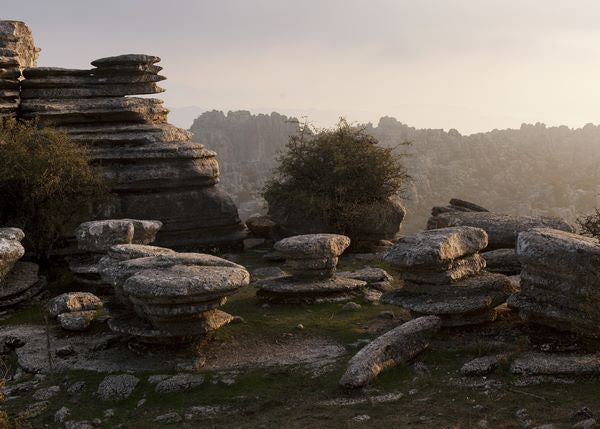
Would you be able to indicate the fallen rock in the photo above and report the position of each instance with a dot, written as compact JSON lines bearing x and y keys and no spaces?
{"x":482,"y":366}
{"x":556,"y":364}
{"x":117,"y":387}
{"x":172,"y":417}
{"x":398,"y":345}
{"x":46,"y":393}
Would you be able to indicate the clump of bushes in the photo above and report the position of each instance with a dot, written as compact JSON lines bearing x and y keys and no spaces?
{"x":590,"y":225}
{"x":46,"y":183}
{"x":334,"y":178}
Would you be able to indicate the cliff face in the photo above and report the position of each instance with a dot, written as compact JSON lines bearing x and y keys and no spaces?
{"x":534,"y":170}
{"x":247,"y":146}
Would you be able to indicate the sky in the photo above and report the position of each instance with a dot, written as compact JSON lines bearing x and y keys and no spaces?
{"x":473,"y":65}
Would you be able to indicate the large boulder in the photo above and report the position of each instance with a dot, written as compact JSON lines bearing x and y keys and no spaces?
{"x":502,"y":229}
{"x":397,"y":346}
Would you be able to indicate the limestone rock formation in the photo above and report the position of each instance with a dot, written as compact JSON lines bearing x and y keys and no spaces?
{"x":172,"y":297}
{"x":503,"y":261}
{"x":17,"y":51}
{"x":75,"y":311}
{"x":154,"y":169}
{"x":19,"y":281}
{"x":99,"y":238}
{"x":502,"y":229}
{"x":311,"y":262}
{"x":443,"y":276}
{"x":397,"y":346}
{"x":560,"y":281}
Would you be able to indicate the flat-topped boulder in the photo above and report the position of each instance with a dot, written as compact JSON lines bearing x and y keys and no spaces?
{"x":559,"y":281}
{"x":502,"y":229}
{"x":10,"y":233}
{"x":436,"y":247}
{"x":451,"y":271}
{"x":73,"y":302}
{"x":100,"y":236}
{"x":310,"y":246}
{"x":469,"y":301}
{"x":10,"y":252}
{"x":125,"y":59}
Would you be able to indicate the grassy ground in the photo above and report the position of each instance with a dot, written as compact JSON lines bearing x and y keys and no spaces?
{"x":288,"y":397}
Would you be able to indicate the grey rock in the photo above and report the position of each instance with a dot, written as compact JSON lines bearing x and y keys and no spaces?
{"x":81,"y":424}
{"x":311,"y":246}
{"x":351,"y":306}
{"x":76,"y":387}
{"x":398,"y":345}
{"x":482,"y":366}
{"x":261,"y":226}
{"x":585,"y":424}
{"x":502,"y":261}
{"x":10,"y":252}
{"x":13,"y":234}
{"x":368,"y":274}
{"x":61,"y":415}
{"x":74,"y":301}
{"x":77,"y":320}
{"x":179,"y":382}
{"x":435,"y":248}
{"x":172,"y":417}
{"x":456,"y":270}
{"x":117,"y":387}
{"x":46,"y":393}
{"x":556,"y":364}
{"x":125,"y":59}
{"x":502,"y":229}
{"x":21,"y":284}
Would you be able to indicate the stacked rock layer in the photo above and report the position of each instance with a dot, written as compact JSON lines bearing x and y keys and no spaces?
{"x":19,"y":281}
{"x":310,"y":261}
{"x":153,"y":167}
{"x":17,"y":51}
{"x":97,"y":238}
{"x":502,"y":230}
{"x":444,"y":276}
{"x":172,"y":298}
{"x":560,"y":281}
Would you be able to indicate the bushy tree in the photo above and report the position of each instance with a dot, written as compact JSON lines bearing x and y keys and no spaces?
{"x":46,"y":183}
{"x":335,"y":177}
{"x":590,"y":225}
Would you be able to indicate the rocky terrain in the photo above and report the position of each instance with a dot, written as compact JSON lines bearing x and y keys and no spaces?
{"x":534,"y":170}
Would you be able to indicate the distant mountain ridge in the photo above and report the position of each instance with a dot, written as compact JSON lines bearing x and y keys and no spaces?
{"x":531,"y":170}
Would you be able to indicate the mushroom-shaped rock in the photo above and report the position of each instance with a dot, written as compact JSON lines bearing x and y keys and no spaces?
{"x":125,"y":59}
{"x":401,"y":344}
{"x":10,"y":252}
{"x":14,"y":234}
{"x":436,"y":247}
{"x":311,"y":246}
{"x":100,"y":236}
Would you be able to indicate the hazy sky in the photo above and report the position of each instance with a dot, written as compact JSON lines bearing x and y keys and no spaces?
{"x":473,"y":65}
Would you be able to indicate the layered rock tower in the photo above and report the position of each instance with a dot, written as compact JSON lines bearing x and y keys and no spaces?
{"x":17,"y":51}
{"x":153,"y":167}
{"x":444,"y":276}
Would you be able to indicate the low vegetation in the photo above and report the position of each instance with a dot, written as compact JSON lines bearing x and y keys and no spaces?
{"x":46,"y":183}
{"x":335,"y":177}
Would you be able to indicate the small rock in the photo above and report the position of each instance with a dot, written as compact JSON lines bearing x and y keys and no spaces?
{"x":74,"y":301}
{"x":361,"y":418}
{"x":109,"y":413}
{"x":154,"y":379}
{"x":77,"y":320}
{"x":179,"y":382}
{"x":61,"y":415}
{"x":168,"y":418}
{"x":238,"y":319}
{"x":83,"y":424}
{"x":141,"y":402}
{"x":117,"y":387}
{"x":300,"y":326}
{"x":46,"y":393}
{"x":585,"y":424}
{"x":97,"y":421}
{"x":351,"y":306}
{"x":76,"y":387}
{"x":65,"y":351}
{"x":35,"y":410}
{"x":413,"y":392}
{"x":387,"y":314}
{"x":482,"y":366}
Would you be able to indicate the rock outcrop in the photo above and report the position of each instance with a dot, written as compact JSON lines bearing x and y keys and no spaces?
{"x":560,"y":281}
{"x":99,"y":241}
{"x":17,"y":51}
{"x":444,"y":276}
{"x":311,"y":262}
{"x":502,"y":229}
{"x":172,"y":298}
{"x":154,"y":169}
{"x":19,"y":281}
{"x":397,"y":346}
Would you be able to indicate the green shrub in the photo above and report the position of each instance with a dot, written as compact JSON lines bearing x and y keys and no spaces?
{"x":335,"y":177}
{"x":46,"y":183}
